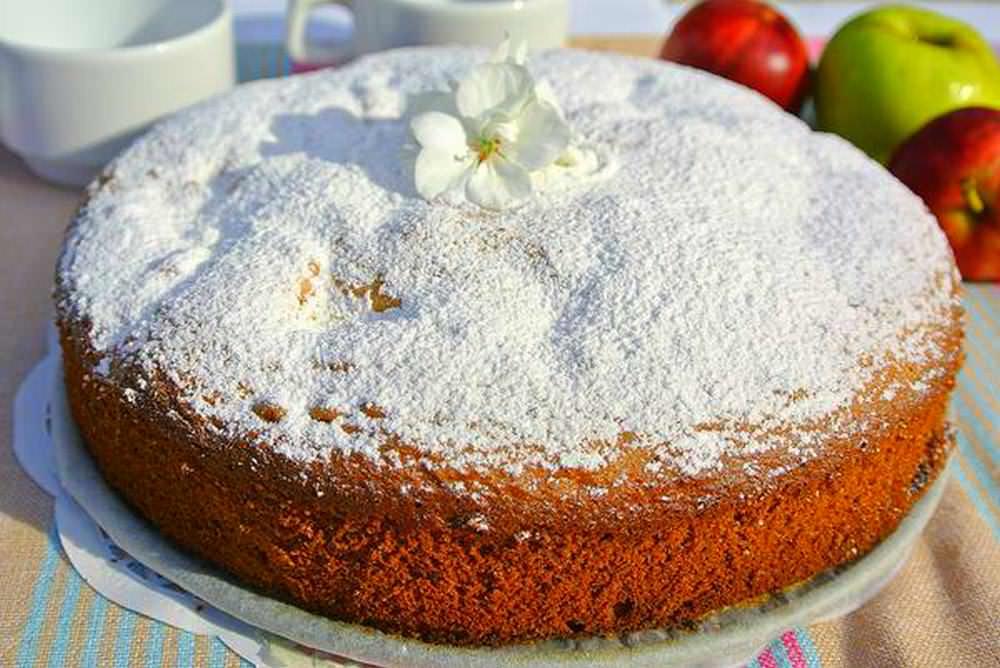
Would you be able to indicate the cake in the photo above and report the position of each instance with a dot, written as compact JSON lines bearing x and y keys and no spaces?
{"x":709,"y":366}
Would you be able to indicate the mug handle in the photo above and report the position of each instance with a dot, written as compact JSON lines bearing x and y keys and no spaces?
{"x":300,"y":50}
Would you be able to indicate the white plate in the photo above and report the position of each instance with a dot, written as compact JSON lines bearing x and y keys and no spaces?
{"x":729,"y":638}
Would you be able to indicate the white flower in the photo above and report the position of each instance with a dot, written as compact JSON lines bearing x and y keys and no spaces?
{"x":503,"y":53}
{"x":488,"y":137}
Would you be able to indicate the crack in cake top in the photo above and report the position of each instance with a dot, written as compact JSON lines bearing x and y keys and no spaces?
{"x":726,"y":272}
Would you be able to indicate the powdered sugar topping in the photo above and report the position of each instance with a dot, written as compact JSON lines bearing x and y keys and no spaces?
{"x":732,"y":270}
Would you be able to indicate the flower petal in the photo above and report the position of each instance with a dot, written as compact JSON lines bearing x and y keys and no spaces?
{"x":493,"y":88}
{"x":511,"y":51}
{"x":439,"y":131}
{"x":497,"y":183}
{"x":541,"y":138}
{"x":436,"y":171}
{"x":519,"y":52}
{"x":502,"y":51}
{"x":544,"y":93}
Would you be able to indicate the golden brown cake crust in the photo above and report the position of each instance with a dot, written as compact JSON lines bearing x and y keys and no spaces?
{"x":422,"y":569}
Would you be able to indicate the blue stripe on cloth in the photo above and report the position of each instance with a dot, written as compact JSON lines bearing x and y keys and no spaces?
{"x":185,"y":649}
{"x":123,"y":642}
{"x":67,"y":612}
{"x":983,"y":337}
{"x":95,"y":630}
{"x":974,"y":314}
{"x":284,"y":66}
{"x":217,"y":656}
{"x":219,"y":653}
{"x":809,"y":651}
{"x":28,"y":648}
{"x":154,"y":644}
{"x":977,"y":419}
{"x":988,"y":299}
{"x":968,"y":428}
{"x":984,"y":322}
{"x":261,"y":61}
{"x":779,"y":653}
{"x":991,"y":454}
{"x":980,"y":398}
{"x":977,"y":500}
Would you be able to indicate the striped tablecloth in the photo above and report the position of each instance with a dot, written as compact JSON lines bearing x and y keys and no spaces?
{"x":942,"y":610}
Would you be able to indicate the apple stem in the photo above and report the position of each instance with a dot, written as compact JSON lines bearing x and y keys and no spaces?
{"x":971,"y":196}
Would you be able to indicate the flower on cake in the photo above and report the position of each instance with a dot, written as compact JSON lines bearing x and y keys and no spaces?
{"x":489,"y":135}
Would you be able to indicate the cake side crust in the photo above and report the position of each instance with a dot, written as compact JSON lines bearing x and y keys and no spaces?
{"x":449,"y":579}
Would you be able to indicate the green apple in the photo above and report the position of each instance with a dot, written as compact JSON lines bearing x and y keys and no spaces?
{"x":888,"y":71}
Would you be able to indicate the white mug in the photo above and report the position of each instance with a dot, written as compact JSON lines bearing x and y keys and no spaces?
{"x":386,"y":24}
{"x":79,"y":80}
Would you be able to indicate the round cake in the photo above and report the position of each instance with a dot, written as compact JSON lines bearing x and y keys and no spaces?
{"x":708,"y":365}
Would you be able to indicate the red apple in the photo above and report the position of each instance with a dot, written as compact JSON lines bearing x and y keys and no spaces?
{"x":953,"y":163}
{"x":746,"y":41}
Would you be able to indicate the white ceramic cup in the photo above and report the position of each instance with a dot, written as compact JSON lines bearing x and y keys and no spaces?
{"x":80,"y":79}
{"x":386,"y":24}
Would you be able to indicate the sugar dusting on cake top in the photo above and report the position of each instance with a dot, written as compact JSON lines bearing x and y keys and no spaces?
{"x":726,"y":272}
